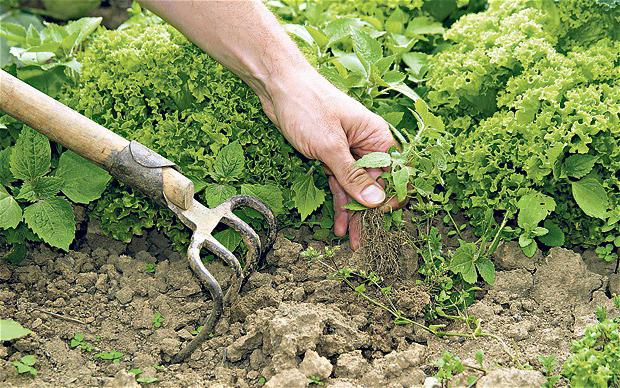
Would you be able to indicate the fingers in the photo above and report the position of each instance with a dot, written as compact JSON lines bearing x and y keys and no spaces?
{"x":341,"y":215}
{"x":356,"y":181}
{"x":355,"y":231}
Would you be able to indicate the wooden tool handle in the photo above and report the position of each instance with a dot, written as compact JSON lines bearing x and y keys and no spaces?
{"x":79,"y":133}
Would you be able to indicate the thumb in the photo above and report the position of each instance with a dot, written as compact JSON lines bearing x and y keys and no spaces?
{"x":356,"y":181}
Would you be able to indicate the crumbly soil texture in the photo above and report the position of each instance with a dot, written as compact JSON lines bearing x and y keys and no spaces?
{"x":292,"y":325}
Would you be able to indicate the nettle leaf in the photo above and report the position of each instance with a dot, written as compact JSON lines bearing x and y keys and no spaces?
{"x":338,"y":29}
{"x":401,"y":181}
{"x":533,"y":208}
{"x":31,"y":156}
{"x":354,"y":206}
{"x":554,"y":236}
{"x":6,"y":176}
{"x":428,"y":119}
{"x":229,"y":162}
{"x":486,"y":269}
{"x":10,"y":330}
{"x":374,"y":160}
{"x":463,"y":262}
{"x":216,"y":194}
{"x":367,"y":49}
{"x":306,"y":195}
{"x":53,"y":221}
{"x":578,"y":166}
{"x":10,"y":211}
{"x":591,"y":197}
{"x":40,"y":188}
{"x":83,"y":182}
{"x":229,"y":238}
{"x":270,"y":194}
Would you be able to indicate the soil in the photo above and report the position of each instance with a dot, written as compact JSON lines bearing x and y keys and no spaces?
{"x":291,"y":322}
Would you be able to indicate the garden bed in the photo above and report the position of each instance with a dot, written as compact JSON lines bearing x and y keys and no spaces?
{"x":293,"y":323}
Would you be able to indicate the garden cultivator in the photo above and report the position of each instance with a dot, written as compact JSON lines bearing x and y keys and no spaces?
{"x":139,"y":167}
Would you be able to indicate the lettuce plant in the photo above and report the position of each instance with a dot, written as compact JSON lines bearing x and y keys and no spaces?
{"x":529,"y":91}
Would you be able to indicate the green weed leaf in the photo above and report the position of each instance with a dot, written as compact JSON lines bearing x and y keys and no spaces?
{"x":306,"y":195}
{"x":578,"y":166}
{"x":424,"y":25}
{"x":269,"y":193}
{"x":401,"y":181}
{"x":533,"y":208}
{"x":53,"y":221}
{"x":83,"y":181}
{"x":374,"y":160}
{"x":486,"y":269}
{"x":6,"y":176}
{"x":229,"y":238}
{"x":463,"y":262}
{"x":216,"y":194}
{"x":10,"y":330}
{"x":591,"y":197}
{"x":229,"y":163}
{"x":41,"y":188}
{"x":555,"y":236}
{"x":10,"y":211}
{"x":355,"y":206}
{"x":367,"y":49}
{"x":31,"y":156}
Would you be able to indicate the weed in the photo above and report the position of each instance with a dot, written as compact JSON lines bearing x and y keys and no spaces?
{"x":149,"y":267}
{"x":78,"y":341}
{"x":114,"y":356}
{"x":548,"y":364}
{"x":262,"y":380}
{"x":26,"y":365}
{"x":315,"y":380}
{"x":158,"y":320}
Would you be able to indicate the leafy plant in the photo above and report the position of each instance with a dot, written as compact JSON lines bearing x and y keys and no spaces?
{"x":79,"y":341}
{"x":448,"y":366}
{"x":29,"y":193}
{"x":26,"y":365}
{"x":10,"y":330}
{"x":549,"y":363}
{"x":595,"y":358}
{"x":150,"y":267}
{"x":114,"y":356}
{"x":158,"y":320}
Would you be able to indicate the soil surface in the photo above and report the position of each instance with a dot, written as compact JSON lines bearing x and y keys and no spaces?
{"x":292,"y":324}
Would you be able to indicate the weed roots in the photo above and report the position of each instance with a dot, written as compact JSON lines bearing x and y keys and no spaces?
{"x":384,"y":251}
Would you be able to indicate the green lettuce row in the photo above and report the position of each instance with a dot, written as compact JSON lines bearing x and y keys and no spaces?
{"x":532,"y":98}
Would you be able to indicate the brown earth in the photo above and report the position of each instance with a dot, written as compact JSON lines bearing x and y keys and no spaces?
{"x":291,"y":323}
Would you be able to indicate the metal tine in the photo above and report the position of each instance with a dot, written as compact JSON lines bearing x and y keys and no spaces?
{"x":227,"y":256}
{"x":251,"y":202}
{"x":195,"y":262}
{"x":251,"y":239}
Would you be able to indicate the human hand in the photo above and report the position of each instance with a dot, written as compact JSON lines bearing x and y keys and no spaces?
{"x":324,"y":123}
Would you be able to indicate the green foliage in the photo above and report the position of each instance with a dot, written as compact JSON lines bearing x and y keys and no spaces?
{"x":114,"y":356}
{"x":529,"y":91}
{"x":29,"y":195}
{"x":595,"y":358}
{"x":26,"y":365}
{"x":10,"y":330}
{"x":158,"y":320}
{"x":79,"y":341}
{"x":448,"y":366}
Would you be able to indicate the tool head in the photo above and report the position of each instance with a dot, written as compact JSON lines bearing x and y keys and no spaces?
{"x":203,"y":221}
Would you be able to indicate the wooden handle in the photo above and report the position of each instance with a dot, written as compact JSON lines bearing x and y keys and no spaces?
{"x":78,"y":133}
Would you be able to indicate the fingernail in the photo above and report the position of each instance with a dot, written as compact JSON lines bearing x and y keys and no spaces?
{"x":373,"y":194}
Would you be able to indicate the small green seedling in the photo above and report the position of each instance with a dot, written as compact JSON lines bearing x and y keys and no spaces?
{"x":135,"y":371}
{"x":549,"y":363}
{"x":315,"y":380}
{"x":262,"y":380}
{"x":114,"y":356}
{"x":159,"y":367}
{"x":149,"y":268}
{"x":448,"y":366}
{"x":10,"y":330}
{"x":26,"y":365}
{"x":78,"y":341}
{"x":197,"y":330}
{"x":158,"y":320}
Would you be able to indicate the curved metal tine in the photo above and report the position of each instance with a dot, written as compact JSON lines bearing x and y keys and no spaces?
{"x":227,"y":256}
{"x":254,"y":203}
{"x":251,"y":239}
{"x":195,"y":262}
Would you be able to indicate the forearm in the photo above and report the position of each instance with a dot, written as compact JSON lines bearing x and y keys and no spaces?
{"x":242,"y":35}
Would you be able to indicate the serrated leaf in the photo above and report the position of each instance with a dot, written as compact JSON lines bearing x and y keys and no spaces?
{"x":270,"y":194}
{"x":367,"y":49}
{"x":31,"y":156}
{"x":374,"y":160}
{"x":10,"y":330}
{"x":229,"y":163}
{"x":463,"y":261}
{"x":216,"y":194}
{"x":533,"y":208}
{"x":53,"y":221}
{"x":591,"y":197}
{"x":401,"y":182}
{"x":486,"y":269}
{"x":10,"y":211}
{"x":40,"y":188}
{"x":555,"y":235}
{"x":83,"y":182}
{"x":6,"y":176}
{"x":354,"y":206}
{"x":338,"y":29}
{"x":306,"y":195}
{"x":578,"y":166}
{"x":229,"y":238}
